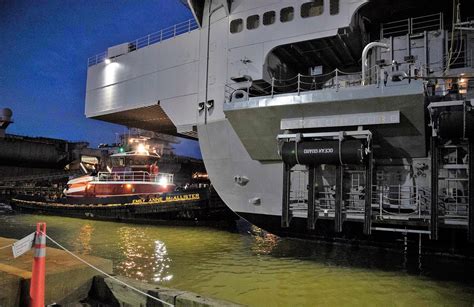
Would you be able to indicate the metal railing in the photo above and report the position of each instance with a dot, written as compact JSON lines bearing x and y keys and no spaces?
{"x":401,"y":200}
{"x":138,"y":176}
{"x":410,"y":26}
{"x":300,"y":83}
{"x":152,"y":38}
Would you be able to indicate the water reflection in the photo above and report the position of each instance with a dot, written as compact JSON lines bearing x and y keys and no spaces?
{"x":256,"y":268}
{"x":142,"y":257}
{"x":264,"y":242}
{"x":83,"y":240}
{"x":162,"y":263}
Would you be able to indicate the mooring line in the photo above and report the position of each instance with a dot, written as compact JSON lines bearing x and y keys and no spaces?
{"x":108,"y":275}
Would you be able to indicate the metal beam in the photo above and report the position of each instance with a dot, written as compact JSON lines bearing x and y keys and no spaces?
{"x":339,"y":198}
{"x":471,"y":191}
{"x":336,"y":57}
{"x":317,"y":53}
{"x":285,"y":213}
{"x":302,"y":54}
{"x":434,"y":188}
{"x":368,"y":194}
{"x":346,"y":48}
{"x":312,"y":215}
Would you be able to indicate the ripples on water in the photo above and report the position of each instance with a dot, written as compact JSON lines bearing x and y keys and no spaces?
{"x":259,"y":269}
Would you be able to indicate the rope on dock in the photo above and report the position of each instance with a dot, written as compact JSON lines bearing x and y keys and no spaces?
{"x":108,"y":275}
{"x":7,"y":246}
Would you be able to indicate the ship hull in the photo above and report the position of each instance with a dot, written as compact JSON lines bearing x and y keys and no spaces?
{"x":194,"y":207}
{"x":451,"y":241}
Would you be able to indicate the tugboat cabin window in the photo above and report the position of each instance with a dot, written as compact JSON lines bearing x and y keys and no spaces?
{"x":311,"y":9}
{"x":253,"y":22}
{"x":334,"y":7}
{"x":269,"y":18}
{"x":287,"y":14}
{"x":236,"y":25}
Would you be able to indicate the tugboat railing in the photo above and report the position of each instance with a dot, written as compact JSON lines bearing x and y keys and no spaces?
{"x":138,"y":176}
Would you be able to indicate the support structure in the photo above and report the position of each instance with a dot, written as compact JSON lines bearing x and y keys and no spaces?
{"x":285,"y":213}
{"x":368,"y":194}
{"x":312,"y":215}
{"x":434,"y":188}
{"x":471,"y":192}
{"x":339,"y":198}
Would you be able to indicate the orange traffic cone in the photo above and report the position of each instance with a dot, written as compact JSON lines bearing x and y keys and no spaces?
{"x":39,"y":269}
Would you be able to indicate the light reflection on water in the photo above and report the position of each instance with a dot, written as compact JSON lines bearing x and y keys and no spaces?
{"x":259,"y":269}
{"x":82,"y":242}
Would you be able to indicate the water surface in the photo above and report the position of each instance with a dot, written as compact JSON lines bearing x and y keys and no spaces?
{"x":259,"y":269}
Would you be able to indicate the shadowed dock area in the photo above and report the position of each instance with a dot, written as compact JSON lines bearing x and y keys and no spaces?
{"x":67,"y":279}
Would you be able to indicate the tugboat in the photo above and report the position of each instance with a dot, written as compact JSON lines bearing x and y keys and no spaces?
{"x":133,"y":189}
{"x":132,"y":174}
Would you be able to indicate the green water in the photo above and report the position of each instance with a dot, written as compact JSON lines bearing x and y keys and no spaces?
{"x":258,"y":269}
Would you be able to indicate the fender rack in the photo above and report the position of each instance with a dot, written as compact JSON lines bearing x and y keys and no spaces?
{"x":312,"y":214}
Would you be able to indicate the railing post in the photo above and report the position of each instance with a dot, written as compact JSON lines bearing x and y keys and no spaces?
{"x":381,"y":202}
{"x":337,"y":79}
{"x":189,"y":25}
{"x":441,"y":21}
{"x":161,"y":35}
{"x":299,"y":82}
{"x":148,"y":40}
{"x":409,"y":25}
{"x":273,"y":84}
{"x":174,"y":31}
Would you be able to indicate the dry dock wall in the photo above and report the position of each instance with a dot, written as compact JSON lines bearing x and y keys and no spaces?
{"x":114,"y":294}
{"x":67,"y":279}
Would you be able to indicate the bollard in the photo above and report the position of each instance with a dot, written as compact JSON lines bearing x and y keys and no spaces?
{"x":39,"y":269}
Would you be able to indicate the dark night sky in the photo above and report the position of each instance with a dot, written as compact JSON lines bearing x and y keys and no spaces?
{"x":44,"y":46}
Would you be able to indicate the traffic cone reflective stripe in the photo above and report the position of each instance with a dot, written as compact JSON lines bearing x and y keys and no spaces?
{"x":39,"y":269}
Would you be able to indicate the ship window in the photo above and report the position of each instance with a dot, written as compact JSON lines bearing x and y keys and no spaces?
{"x":253,"y":22}
{"x":236,"y":25}
{"x":287,"y":14}
{"x":269,"y":18}
{"x":311,"y":9}
{"x":334,"y":7}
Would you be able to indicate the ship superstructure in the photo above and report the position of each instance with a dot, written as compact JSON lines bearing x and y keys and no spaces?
{"x":315,"y":118}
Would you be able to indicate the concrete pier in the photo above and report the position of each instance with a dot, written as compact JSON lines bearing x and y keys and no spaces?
{"x":67,"y":279}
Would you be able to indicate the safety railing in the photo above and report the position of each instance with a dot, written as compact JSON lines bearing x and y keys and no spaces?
{"x":410,"y":26}
{"x":401,"y":200}
{"x":137,"y":176}
{"x":152,"y":38}
{"x":300,"y":83}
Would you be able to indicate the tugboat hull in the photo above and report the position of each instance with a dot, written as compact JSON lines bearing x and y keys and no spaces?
{"x":193,"y":207}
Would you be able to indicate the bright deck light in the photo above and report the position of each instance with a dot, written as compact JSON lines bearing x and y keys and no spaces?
{"x":141,"y":148}
{"x":107,"y":61}
{"x":163,"y":181}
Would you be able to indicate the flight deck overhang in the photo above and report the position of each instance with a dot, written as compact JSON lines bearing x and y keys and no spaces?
{"x":152,"y":118}
{"x":395,"y":114}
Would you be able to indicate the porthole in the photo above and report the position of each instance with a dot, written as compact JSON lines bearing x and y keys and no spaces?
{"x":236,"y":25}
{"x":269,"y":18}
{"x":311,"y":9}
{"x":334,"y":7}
{"x":253,"y":22}
{"x":287,"y":14}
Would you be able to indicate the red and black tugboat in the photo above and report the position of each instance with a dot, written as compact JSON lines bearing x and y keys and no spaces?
{"x":133,"y":173}
{"x":132,"y":188}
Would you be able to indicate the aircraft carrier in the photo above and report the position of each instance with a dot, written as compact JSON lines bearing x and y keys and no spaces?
{"x":347,"y":119}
